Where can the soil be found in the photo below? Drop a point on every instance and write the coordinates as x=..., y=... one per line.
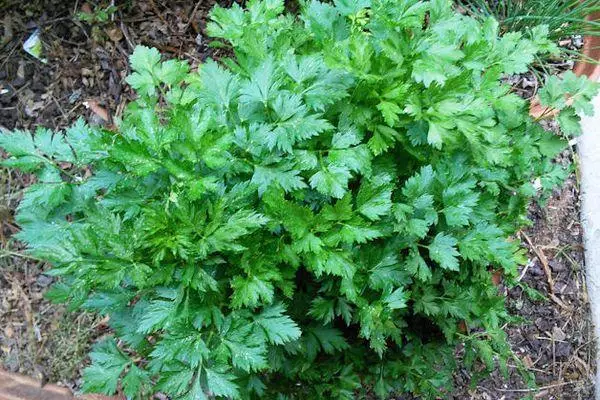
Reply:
x=87, y=64
x=555, y=341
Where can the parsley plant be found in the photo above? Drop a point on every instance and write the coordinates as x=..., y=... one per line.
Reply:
x=319, y=215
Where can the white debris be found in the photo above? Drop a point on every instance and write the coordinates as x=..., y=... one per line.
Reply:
x=33, y=46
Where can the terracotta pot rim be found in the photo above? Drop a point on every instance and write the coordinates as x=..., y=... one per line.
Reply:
x=591, y=50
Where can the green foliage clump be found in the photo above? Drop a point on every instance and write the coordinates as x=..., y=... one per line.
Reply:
x=565, y=19
x=99, y=15
x=318, y=217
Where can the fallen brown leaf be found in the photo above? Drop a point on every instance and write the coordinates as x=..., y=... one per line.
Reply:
x=115, y=34
x=98, y=110
x=86, y=8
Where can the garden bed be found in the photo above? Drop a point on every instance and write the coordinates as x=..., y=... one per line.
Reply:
x=556, y=340
x=87, y=65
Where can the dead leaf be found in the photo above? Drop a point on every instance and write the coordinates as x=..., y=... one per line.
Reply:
x=115, y=34
x=86, y=8
x=558, y=334
x=497, y=277
x=97, y=109
x=9, y=332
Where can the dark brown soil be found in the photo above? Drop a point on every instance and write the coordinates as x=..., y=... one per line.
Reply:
x=555, y=342
x=87, y=64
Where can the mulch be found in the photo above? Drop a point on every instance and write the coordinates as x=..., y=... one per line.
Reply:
x=88, y=62
x=555, y=340
x=84, y=77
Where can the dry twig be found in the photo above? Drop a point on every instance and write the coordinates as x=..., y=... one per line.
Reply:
x=8, y=31
x=192, y=16
x=540, y=255
x=555, y=385
x=157, y=12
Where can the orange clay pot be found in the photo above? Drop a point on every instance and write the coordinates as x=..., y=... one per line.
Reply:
x=591, y=49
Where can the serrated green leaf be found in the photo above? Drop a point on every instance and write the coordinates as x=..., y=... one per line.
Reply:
x=383, y=139
x=331, y=340
x=390, y=112
x=251, y=292
x=108, y=363
x=221, y=384
x=322, y=309
x=17, y=143
x=172, y=72
x=443, y=251
x=374, y=199
x=278, y=328
x=417, y=266
x=550, y=145
x=154, y=315
x=331, y=181
x=143, y=83
x=134, y=381
x=247, y=358
x=435, y=135
x=553, y=94
x=144, y=59
x=287, y=179
x=569, y=122
x=349, y=7
x=396, y=299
